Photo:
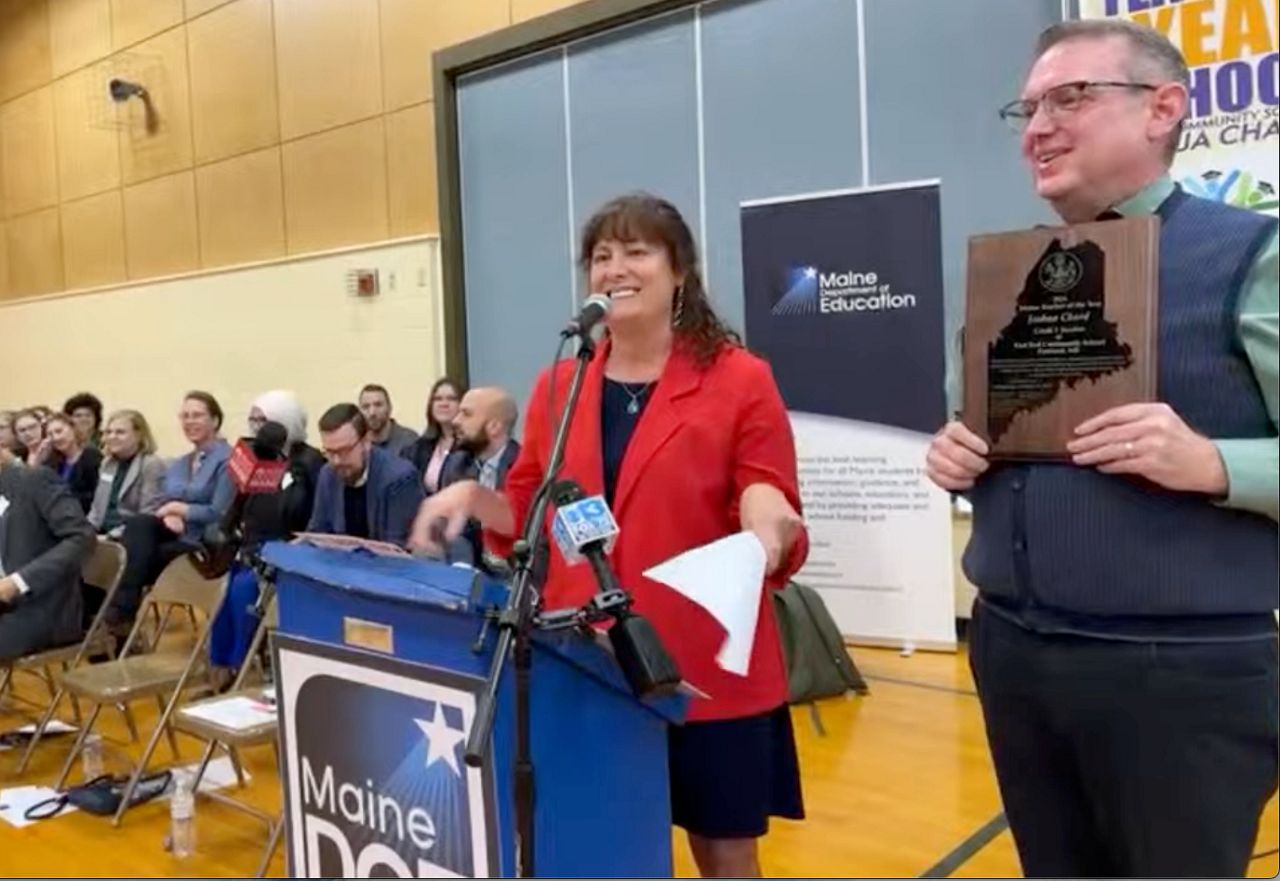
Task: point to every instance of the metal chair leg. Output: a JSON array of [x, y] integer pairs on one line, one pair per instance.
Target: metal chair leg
[[272, 844], [75, 704], [139, 769], [237, 765], [127, 712], [77, 747], [204, 764], [39, 732], [47, 675], [168, 729]]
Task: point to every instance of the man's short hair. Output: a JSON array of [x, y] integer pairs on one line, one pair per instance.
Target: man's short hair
[[344, 414], [85, 401], [1152, 57], [507, 411], [374, 387]]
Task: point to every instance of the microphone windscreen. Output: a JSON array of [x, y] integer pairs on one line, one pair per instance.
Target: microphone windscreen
[[269, 442]]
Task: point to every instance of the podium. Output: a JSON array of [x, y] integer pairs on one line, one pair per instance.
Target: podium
[[379, 667]]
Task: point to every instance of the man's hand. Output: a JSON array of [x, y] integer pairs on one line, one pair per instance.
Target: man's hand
[[176, 509], [1151, 441], [956, 457], [174, 524], [8, 589]]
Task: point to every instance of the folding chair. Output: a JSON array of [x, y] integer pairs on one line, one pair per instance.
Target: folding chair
[[232, 739], [156, 674], [103, 571]]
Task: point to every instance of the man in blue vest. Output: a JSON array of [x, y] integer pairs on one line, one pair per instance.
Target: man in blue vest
[[1123, 642]]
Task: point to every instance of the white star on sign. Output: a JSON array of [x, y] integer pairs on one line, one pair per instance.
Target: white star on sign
[[810, 272], [442, 741]]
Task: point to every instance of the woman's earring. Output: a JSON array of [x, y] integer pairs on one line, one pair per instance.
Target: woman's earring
[[677, 316]]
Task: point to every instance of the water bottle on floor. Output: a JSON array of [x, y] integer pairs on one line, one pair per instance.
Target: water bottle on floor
[[182, 817], [91, 757]]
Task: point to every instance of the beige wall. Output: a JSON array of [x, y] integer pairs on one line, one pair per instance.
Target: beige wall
[[285, 126], [287, 324]]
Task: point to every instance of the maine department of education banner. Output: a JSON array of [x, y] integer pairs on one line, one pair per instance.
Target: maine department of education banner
[[1229, 141], [844, 298], [402, 804]]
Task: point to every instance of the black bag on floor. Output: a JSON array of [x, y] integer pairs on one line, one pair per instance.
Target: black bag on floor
[[101, 795]]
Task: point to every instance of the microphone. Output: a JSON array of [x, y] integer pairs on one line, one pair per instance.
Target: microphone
[[592, 312], [257, 466], [584, 528], [580, 521]]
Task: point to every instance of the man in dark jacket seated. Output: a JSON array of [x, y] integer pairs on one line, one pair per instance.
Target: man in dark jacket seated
[[44, 541], [362, 491]]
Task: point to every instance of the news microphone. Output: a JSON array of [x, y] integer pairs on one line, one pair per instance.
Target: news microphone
[[592, 313], [257, 466], [580, 521], [584, 528]]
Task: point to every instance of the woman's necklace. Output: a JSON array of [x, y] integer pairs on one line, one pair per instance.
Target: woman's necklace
[[636, 397]]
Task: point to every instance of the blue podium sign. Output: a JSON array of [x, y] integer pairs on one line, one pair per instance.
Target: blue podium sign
[[393, 793]]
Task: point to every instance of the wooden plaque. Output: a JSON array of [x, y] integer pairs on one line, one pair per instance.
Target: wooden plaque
[[1060, 325]]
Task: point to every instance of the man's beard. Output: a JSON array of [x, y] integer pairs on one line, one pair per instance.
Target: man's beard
[[474, 444]]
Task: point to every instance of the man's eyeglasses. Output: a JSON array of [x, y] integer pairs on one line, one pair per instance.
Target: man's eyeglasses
[[1062, 99], [341, 452]]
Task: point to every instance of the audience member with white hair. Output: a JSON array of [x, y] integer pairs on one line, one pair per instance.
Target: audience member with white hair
[[267, 517]]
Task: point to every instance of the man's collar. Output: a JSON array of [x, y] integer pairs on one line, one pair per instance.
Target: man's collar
[[496, 455], [364, 478], [1147, 199]]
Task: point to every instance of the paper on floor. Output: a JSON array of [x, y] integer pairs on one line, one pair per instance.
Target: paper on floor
[[15, 802], [726, 578]]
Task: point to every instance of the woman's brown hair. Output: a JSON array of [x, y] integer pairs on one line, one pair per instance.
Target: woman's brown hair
[[648, 218]]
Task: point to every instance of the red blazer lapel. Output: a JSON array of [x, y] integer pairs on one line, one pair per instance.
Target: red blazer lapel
[[660, 421]]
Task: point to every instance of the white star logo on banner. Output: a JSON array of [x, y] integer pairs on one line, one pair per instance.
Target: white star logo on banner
[[442, 741]]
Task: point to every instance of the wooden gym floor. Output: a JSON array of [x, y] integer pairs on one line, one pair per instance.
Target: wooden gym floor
[[900, 786]]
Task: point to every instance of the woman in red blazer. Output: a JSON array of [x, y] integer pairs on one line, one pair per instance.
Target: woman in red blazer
[[685, 433]]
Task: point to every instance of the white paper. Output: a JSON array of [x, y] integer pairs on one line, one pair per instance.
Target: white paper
[[55, 726], [15, 802], [726, 578], [219, 775], [237, 713]]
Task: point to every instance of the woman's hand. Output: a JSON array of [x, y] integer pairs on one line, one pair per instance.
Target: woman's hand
[[175, 524], [40, 455], [765, 511], [443, 516]]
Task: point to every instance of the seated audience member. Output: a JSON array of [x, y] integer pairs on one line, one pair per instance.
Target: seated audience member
[[28, 428], [385, 432], [430, 452], [44, 540], [74, 463], [267, 517], [7, 438], [131, 480], [85, 411], [486, 418], [194, 496], [363, 491]]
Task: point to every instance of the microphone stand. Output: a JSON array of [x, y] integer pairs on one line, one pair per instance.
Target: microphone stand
[[515, 627]]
